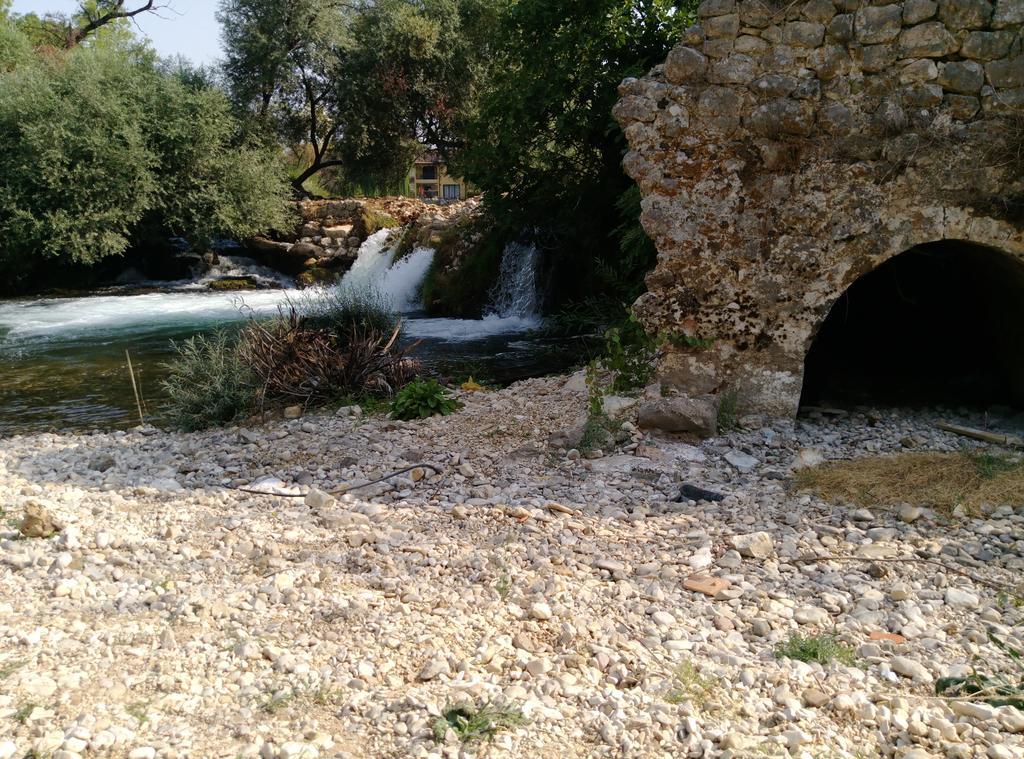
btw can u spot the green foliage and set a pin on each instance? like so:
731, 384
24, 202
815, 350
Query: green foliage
599, 430
816, 648
208, 383
348, 313
103, 148
688, 684
462, 289
997, 690
629, 355
422, 398
543, 146
728, 410
472, 723
990, 465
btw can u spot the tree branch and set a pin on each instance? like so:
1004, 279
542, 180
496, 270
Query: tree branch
115, 12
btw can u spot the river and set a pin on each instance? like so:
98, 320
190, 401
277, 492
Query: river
63, 365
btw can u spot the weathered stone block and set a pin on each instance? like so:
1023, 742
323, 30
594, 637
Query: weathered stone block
781, 116
803, 34
924, 95
987, 46
965, 14
962, 107
928, 40
710, 8
633, 108
1005, 101
920, 70
877, 57
829, 62
820, 11
874, 25
916, 11
748, 44
685, 65
841, 27
1006, 73
681, 415
776, 85
890, 118
722, 26
719, 101
736, 69
1007, 13
836, 118
755, 13
719, 48
963, 77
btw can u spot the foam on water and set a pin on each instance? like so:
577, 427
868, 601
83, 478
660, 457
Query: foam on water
460, 330
30, 321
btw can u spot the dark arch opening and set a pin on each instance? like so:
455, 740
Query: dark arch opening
941, 323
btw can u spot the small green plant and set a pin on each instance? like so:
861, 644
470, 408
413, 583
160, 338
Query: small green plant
8, 669
138, 709
504, 585
728, 410
996, 690
24, 712
208, 383
323, 696
422, 398
629, 356
990, 465
277, 701
599, 429
816, 648
683, 340
348, 313
471, 723
688, 685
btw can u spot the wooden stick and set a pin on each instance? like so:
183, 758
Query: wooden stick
135, 388
984, 435
905, 560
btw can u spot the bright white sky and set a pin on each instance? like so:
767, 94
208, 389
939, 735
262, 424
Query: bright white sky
187, 27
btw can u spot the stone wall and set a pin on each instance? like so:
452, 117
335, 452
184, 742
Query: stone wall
784, 150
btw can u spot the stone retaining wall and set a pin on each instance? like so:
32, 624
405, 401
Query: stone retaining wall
783, 151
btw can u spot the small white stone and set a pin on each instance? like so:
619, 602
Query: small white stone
540, 610
811, 615
7, 749
963, 599
143, 752
296, 750
901, 665
974, 710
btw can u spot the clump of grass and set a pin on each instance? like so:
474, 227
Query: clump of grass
728, 410
504, 585
138, 710
942, 481
997, 689
816, 648
8, 669
688, 685
24, 712
473, 723
209, 383
277, 701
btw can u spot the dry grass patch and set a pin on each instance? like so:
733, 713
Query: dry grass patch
941, 481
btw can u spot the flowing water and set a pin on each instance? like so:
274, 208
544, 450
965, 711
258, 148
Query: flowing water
62, 360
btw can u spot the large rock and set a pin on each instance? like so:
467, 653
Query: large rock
37, 522
681, 415
755, 545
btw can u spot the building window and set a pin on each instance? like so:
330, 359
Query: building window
429, 172
451, 192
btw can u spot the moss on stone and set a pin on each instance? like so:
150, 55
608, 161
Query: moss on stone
229, 284
318, 275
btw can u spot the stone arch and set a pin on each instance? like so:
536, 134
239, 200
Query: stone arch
941, 322
785, 150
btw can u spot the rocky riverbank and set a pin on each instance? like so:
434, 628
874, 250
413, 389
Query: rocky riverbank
174, 617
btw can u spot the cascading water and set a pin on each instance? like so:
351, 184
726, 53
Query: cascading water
515, 294
397, 282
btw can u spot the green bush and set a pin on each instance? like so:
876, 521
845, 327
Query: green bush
629, 355
348, 313
816, 648
208, 383
422, 398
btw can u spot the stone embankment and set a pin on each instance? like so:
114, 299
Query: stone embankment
173, 617
330, 232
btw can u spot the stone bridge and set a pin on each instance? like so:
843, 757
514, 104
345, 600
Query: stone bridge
836, 191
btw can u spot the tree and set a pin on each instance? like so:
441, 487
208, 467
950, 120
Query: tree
543, 144
102, 145
355, 86
68, 31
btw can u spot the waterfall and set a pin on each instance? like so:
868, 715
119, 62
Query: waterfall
516, 294
376, 271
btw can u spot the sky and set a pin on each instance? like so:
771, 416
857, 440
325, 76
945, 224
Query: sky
186, 27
